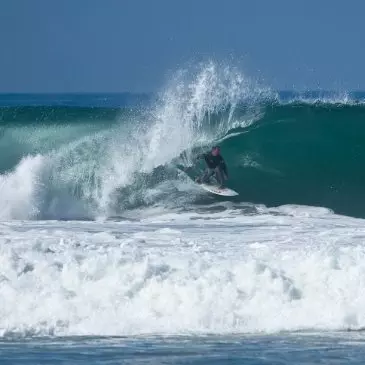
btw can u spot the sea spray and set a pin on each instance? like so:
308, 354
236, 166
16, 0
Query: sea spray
108, 167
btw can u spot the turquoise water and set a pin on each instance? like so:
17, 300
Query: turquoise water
278, 150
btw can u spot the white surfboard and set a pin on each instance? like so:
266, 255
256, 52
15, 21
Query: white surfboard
215, 190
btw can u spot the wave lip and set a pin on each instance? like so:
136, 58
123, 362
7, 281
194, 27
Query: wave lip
321, 97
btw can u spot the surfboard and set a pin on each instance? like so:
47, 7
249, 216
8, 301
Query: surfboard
210, 187
215, 190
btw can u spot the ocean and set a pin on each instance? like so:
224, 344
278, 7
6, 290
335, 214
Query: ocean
109, 254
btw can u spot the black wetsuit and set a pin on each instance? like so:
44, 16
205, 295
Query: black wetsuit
215, 165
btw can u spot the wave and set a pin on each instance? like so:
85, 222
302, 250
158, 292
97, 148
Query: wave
302, 154
64, 162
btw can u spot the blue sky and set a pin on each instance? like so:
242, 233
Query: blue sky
133, 45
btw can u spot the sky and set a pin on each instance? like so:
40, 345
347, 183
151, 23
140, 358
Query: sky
134, 45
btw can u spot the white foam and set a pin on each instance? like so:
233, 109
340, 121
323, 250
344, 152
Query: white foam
20, 189
184, 273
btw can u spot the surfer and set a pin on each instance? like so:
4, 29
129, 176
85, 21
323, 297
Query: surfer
215, 166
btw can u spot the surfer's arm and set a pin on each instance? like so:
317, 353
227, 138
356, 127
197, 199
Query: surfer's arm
201, 156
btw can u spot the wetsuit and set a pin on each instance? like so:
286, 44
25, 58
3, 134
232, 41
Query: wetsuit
215, 166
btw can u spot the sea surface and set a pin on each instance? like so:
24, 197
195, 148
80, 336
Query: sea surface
110, 254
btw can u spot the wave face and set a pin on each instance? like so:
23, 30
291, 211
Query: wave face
302, 153
92, 156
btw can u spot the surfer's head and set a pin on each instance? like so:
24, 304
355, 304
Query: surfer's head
216, 150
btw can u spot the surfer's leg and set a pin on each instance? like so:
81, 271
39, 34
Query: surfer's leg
219, 176
208, 173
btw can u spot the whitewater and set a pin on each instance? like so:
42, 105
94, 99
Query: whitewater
103, 242
285, 269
